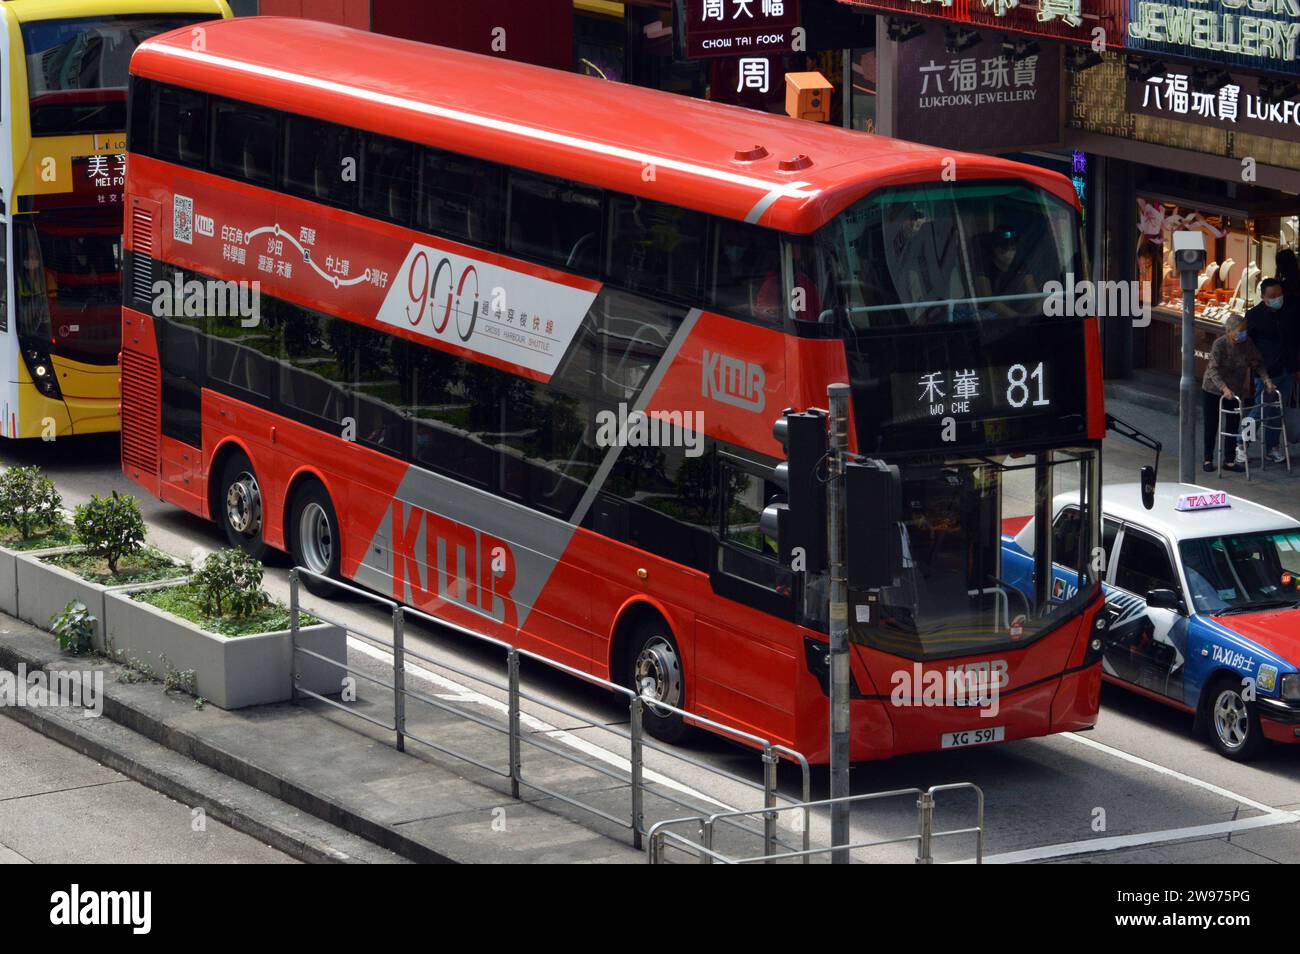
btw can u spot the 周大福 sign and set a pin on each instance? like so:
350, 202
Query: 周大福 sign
1257, 34
708, 28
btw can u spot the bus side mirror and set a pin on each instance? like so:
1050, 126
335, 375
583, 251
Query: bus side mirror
873, 539
1148, 480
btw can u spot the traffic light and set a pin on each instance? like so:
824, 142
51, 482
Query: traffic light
873, 493
797, 519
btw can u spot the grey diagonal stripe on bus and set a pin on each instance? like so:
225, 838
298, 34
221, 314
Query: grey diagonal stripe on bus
537, 540
652, 384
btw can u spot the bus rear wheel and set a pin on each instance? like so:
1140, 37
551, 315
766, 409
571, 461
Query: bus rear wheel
240, 506
655, 672
314, 539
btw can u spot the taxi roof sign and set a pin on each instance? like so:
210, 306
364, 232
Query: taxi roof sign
1210, 500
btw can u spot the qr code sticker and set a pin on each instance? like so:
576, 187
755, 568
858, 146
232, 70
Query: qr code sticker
183, 219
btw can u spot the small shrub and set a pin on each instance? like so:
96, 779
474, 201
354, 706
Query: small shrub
230, 581
28, 500
74, 628
111, 527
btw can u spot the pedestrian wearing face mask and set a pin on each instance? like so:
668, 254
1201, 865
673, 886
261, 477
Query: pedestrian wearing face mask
1233, 357
1269, 331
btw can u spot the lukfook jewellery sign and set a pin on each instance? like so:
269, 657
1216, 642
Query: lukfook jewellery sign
1258, 34
1240, 105
982, 99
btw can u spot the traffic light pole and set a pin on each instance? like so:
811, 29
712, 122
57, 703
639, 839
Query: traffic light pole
839, 620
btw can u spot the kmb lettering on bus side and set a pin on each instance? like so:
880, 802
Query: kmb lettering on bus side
734, 381
472, 569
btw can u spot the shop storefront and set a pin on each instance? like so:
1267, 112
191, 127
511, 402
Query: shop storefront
1193, 146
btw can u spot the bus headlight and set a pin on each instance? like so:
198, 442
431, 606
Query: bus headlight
1290, 688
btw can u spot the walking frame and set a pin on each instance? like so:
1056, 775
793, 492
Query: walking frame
1269, 409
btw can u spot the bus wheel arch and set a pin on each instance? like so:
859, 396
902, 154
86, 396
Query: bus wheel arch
645, 652
237, 498
312, 532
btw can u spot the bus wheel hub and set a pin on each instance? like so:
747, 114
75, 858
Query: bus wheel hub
658, 672
244, 505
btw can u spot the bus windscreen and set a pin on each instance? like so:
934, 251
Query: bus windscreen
77, 69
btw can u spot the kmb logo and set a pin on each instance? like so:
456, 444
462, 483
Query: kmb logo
472, 569
733, 381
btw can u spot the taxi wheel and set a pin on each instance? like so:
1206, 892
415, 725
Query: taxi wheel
1231, 721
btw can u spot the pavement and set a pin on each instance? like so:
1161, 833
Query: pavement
1149, 402
312, 785
60, 807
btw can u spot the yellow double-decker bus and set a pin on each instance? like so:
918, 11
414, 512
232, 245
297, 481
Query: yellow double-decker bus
63, 78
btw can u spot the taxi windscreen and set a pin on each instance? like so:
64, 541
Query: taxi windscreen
1237, 573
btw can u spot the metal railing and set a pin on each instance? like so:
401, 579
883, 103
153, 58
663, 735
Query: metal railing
635, 738
662, 834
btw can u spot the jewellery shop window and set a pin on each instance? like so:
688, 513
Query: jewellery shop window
1241, 251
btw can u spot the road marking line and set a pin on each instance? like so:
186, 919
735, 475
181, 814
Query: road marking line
1115, 842
1154, 767
465, 694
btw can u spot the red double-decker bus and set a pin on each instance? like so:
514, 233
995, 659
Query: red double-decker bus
521, 339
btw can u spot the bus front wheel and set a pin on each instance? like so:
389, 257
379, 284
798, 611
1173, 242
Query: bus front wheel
241, 506
655, 672
314, 540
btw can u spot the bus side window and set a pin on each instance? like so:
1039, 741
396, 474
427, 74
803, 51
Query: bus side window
387, 178
244, 141
320, 161
746, 552
179, 126
747, 272
655, 247
143, 118
554, 221
461, 198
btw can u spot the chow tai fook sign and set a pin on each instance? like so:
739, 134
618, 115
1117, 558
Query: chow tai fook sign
1075, 20
1251, 34
1242, 104
979, 100
709, 28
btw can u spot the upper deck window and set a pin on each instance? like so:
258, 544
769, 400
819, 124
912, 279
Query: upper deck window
77, 69
952, 252
244, 140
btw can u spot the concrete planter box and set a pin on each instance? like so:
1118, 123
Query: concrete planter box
231, 672
9, 574
43, 590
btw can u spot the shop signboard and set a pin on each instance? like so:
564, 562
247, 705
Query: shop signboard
1247, 34
981, 99
1077, 20
749, 28
1242, 104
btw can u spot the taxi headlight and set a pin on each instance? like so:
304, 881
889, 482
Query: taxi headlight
1290, 687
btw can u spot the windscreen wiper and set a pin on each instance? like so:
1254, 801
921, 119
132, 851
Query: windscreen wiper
1258, 605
